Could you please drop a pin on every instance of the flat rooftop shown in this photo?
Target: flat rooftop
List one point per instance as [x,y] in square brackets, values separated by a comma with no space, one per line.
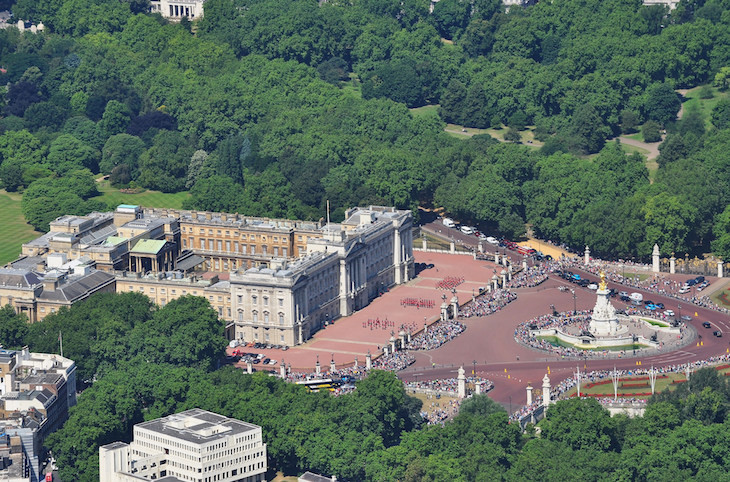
[198,426]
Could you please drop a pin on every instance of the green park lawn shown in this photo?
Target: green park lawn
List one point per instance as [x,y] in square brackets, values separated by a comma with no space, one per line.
[705,105]
[155,199]
[15,231]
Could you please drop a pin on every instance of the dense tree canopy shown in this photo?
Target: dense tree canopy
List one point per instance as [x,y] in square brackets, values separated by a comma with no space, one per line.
[265,89]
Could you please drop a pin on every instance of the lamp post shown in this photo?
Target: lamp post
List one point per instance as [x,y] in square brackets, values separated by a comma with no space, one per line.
[474,369]
[575,310]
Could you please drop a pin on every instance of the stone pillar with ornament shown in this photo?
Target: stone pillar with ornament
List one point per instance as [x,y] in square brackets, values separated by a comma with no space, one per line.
[655,259]
[461,390]
[546,391]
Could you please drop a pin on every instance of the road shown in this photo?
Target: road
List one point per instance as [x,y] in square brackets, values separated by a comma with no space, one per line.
[488,345]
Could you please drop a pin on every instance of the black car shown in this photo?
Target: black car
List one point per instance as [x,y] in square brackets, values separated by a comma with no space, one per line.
[648,302]
[659,306]
[706,324]
[625,298]
[717,334]
[700,279]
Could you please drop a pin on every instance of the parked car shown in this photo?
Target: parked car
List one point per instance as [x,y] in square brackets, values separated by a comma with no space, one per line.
[467,230]
[700,279]
[623,293]
[685,318]
[706,324]
[660,306]
[625,298]
[648,302]
[492,240]
[685,289]
[667,312]
[448,222]
[482,237]
[593,286]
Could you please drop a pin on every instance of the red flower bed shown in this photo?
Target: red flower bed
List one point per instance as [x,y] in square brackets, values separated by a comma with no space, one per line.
[674,382]
[634,385]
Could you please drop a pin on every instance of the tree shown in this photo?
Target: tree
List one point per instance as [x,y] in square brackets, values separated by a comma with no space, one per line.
[216,193]
[44,114]
[589,129]
[722,79]
[13,328]
[721,232]
[121,149]
[68,153]
[333,70]
[450,17]
[721,114]
[662,103]
[480,405]
[512,135]
[164,165]
[20,96]
[581,425]
[115,120]
[651,131]
[629,121]
[668,220]
[195,169]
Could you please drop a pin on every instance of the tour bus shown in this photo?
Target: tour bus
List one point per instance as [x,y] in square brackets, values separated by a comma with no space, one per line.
[525,250]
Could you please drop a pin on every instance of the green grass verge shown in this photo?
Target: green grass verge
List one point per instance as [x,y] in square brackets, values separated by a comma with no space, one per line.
[655,323]
[555,341]
[155,199]
[425,111]
[15,230]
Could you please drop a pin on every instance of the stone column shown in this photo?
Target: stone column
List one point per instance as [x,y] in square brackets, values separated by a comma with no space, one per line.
[477,388]
[249,367]
[655,259]
[368,361]
[546,391]
[496,258]
[587,256]
[455,306]
[424,244]
[282,369]
[392,343]
[504,278]
[425,326]
[524,264]
[452,247]
[461,393]
[529,394]
[357,364]
[480,247]
[333,367]
[344,306]
[317,368]
[385,350]
[288,369]
[672,264]
[402,336]
[509,273]
[719,268]
[495,283]
[397,248]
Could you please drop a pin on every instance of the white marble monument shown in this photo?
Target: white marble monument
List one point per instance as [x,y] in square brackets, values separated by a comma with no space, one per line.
[604,320]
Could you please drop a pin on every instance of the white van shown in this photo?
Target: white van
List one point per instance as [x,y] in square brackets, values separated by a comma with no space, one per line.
[467,230]
[448,222]
[636,297]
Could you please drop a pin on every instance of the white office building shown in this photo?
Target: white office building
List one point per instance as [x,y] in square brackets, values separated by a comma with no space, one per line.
[195,445]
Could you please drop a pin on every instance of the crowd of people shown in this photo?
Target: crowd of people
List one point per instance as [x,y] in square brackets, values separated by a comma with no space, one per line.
[449,283]
[438,415]
[417,302]
[436,335]
[530,277]
[487,303]
[394,361]
[450,385]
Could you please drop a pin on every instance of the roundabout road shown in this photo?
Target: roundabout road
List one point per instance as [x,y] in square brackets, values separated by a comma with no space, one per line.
[488,343]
